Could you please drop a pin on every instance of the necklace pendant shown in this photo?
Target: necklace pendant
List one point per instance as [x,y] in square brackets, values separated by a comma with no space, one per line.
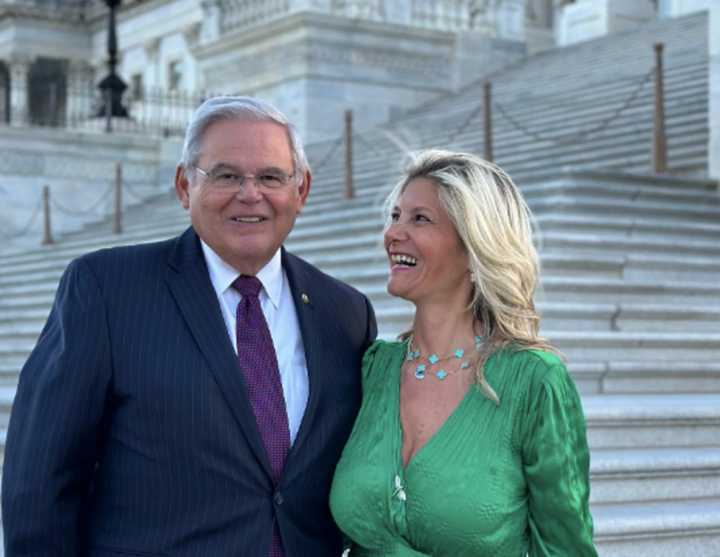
[420,372]
[441,374]
[459,353]
[433,359]
[465,365]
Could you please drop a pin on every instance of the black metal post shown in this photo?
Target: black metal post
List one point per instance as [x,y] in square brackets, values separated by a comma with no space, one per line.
[112,86]
[349,188]
[47,231]
[488,121]
[117,220]
[659,139]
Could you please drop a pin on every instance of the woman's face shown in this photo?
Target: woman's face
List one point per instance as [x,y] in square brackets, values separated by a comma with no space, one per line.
[427,259]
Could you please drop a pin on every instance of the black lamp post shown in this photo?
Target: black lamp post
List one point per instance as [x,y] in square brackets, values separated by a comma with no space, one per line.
[112,87]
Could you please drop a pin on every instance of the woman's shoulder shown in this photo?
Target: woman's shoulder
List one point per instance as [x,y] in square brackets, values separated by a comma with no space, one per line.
[379,354]
[530,367]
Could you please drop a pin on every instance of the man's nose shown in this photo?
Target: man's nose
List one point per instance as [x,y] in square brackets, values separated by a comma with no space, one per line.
[249,191]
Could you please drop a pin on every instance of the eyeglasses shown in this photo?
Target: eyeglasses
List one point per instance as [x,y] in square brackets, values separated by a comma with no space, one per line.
[227,180]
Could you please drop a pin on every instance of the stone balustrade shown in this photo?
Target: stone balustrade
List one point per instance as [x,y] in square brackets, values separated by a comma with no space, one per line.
[448,15]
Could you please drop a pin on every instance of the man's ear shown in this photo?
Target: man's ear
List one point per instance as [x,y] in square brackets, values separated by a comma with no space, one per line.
[304,190]
[182,185]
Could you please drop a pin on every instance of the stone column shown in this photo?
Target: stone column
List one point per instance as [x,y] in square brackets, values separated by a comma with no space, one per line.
[210,30]
[398,11]
[19,68]
[714,69]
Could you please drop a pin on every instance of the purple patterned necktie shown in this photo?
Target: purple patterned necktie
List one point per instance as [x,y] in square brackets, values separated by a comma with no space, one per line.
[258,362]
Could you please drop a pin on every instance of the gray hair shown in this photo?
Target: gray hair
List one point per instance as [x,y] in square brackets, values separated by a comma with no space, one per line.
[217,109]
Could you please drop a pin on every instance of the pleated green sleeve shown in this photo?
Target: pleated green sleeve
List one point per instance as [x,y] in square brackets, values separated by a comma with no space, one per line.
[556,463]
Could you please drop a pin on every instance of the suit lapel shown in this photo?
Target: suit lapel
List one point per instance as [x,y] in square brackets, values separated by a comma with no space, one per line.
[190,285]
[305,297]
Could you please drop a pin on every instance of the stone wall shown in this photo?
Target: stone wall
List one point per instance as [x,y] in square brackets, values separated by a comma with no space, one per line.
[588,19]
[314,66]
[79,169]
[676,8]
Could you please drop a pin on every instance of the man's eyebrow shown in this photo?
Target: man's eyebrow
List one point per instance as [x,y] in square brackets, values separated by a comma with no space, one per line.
[228,166]
[223,166]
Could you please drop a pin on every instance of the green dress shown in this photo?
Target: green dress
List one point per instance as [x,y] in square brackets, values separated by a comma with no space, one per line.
[494,481]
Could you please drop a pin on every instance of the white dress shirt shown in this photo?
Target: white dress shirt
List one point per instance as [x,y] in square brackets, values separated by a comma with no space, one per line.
[279,311]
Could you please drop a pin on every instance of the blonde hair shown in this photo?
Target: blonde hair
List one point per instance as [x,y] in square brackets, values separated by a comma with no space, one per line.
[495,226]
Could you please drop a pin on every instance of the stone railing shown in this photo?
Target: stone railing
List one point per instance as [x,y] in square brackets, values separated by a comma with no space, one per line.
[67,10]
[432,14]
[448,15]
[244,13]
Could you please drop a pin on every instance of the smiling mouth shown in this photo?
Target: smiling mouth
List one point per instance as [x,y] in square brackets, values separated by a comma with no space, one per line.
[403,260]
[248,220]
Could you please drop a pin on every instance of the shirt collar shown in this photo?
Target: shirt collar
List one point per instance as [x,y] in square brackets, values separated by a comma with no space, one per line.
[222,274]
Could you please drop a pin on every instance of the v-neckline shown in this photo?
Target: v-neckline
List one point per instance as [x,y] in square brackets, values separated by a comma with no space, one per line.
[404,467]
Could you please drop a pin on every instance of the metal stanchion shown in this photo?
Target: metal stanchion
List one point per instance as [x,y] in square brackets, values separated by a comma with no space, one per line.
[659,141]
[117,221]
[349,190]
[47,232]
[488,121]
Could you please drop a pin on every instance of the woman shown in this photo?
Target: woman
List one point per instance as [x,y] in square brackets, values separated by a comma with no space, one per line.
[471,439]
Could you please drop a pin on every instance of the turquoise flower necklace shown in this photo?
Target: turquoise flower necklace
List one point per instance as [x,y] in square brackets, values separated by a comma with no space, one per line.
[424,364]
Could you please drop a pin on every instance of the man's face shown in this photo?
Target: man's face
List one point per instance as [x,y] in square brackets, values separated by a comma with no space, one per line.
[245,228]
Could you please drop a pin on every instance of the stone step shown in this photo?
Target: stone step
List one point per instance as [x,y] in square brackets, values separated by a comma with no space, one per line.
[559,316]
[684,126]
[562,242]
[666,474]
[369,236]
[688,528]
[10,371]
[635,421]
[627,226]
[368,206]
[594,290]
[560,253]
[650,376]
[615,151]
[636,345]
[7,395]
[546,115]
[577,94]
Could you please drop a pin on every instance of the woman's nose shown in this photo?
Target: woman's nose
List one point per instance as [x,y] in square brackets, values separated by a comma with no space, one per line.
[394,231]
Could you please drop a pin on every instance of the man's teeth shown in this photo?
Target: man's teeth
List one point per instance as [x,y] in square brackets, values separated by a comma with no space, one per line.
[404,259]
[247,219]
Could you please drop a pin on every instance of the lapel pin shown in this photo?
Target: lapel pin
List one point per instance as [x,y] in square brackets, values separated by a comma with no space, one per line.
[305,298]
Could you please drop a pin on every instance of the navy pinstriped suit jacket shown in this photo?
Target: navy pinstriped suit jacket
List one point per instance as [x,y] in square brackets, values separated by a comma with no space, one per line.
[131,434]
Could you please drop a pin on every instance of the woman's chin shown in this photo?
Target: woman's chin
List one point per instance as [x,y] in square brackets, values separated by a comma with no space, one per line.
[397,291]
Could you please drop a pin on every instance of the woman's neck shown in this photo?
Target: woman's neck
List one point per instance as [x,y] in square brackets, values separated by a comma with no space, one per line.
[441,329]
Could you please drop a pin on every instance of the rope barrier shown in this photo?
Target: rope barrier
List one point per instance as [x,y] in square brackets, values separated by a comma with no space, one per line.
[370,146]
[575,137]
[473,114]
[326,158]
[133,192]
[26,228]
[82,212]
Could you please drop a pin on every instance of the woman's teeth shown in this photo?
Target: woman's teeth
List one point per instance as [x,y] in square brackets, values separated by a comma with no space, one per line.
[401,259]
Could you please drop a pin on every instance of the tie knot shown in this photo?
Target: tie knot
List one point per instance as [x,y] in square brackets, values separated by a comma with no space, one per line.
[247,286]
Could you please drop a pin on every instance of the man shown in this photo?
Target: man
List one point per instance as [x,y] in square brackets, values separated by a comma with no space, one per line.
[191,397]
